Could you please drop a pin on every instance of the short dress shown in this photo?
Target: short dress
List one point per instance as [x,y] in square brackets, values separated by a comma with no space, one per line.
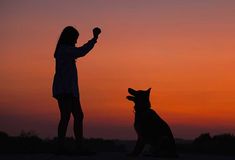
[65,81]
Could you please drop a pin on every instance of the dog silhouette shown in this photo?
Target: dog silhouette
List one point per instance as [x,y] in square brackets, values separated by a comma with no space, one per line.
[150,127]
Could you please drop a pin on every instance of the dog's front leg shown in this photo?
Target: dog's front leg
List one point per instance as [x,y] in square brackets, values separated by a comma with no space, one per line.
[139,146]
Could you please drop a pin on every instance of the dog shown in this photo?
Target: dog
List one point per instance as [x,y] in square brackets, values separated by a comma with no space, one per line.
[150,127]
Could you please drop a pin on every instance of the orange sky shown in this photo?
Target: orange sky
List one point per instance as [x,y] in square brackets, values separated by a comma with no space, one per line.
[183,50]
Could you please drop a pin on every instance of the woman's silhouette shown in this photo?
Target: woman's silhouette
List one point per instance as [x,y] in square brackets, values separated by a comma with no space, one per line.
[65,84]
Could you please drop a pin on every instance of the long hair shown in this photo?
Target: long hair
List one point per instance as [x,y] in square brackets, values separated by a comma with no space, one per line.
[68,36]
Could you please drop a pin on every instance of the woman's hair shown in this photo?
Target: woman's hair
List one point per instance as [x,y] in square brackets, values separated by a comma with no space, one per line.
[68,36]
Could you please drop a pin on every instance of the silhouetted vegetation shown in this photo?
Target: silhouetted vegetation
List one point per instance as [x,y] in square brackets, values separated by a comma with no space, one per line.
[222,144]
[29,142]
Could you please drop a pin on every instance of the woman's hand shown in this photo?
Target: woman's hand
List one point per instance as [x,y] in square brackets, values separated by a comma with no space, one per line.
[96,32]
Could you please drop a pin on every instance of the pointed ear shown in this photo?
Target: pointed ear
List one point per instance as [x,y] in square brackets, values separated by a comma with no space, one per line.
[130,98]
[148,91]
[131,91]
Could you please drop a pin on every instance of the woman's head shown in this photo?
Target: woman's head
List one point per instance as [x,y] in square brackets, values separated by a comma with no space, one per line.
[68,36]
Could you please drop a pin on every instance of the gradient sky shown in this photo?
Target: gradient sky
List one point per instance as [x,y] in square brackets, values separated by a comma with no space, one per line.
[183,49]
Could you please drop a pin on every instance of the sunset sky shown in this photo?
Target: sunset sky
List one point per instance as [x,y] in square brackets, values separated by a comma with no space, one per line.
[183,49]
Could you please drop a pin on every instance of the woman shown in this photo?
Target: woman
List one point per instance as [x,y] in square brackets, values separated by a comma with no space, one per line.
[65,84]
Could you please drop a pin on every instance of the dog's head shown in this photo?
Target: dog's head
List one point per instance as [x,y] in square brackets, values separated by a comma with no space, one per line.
[140,98]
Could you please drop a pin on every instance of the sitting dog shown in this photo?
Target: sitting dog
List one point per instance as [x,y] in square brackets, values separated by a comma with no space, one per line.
[150,128]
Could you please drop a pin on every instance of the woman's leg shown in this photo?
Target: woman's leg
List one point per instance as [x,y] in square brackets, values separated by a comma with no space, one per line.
[65,111]
[78,128]
[78,119]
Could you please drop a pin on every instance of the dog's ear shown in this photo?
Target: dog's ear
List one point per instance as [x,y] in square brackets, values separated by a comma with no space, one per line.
[131,91]
[148,91]
[130,98]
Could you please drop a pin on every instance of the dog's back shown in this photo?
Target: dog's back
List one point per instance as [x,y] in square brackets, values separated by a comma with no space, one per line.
[149,123]
[152,128]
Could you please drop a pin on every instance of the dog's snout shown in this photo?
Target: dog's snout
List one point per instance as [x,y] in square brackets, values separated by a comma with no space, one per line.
[131,91]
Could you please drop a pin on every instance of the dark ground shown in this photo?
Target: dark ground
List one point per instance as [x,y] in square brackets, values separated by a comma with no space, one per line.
[109,156]
[29,146]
